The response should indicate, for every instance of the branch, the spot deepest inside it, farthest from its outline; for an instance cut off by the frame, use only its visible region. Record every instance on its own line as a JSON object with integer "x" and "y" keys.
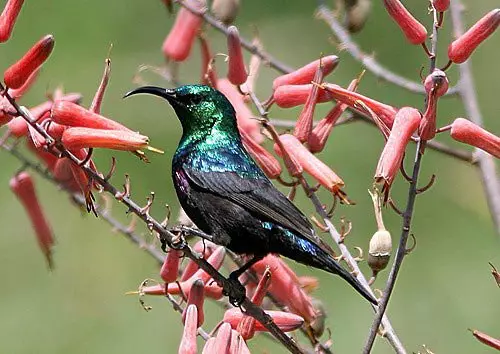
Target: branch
{"x": 166, "y": 237}
{"x": 369, "y": 62}
{"x": 407, "y": 214}
{"x": 467, "y": 92}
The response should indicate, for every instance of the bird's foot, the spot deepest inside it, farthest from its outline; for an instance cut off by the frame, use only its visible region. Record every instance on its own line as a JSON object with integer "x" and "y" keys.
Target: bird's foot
{"x": 235, "y": 291}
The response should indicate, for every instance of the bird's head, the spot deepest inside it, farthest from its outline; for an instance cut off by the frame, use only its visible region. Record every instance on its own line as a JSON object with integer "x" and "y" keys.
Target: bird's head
{"x": 198, "y": 107}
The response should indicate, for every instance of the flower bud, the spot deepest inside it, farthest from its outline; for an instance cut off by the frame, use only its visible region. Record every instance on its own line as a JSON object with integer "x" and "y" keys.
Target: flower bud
{"x": 196, "y": 297}
{"x": 441, "y": 5}
{"x": 319, "y": 135}
{"x": 77, "y": 138}
{"x": 469, "y": 133}
{"x": 311, "y": 164}
{"x": 305, "y": 74}
{"x": 244, "y": 117}
{"x": 286, "y": 321}
{"x": 303, "y": 127}
{"x": 486, "y": 339}
{"x": 287, "y": 96}
{"x": 223, "y": 339}
{"x": 206, "y": 248}
{"x": 170, "y": 268}
{"x": 264, "y": 158}
{"x": 436, "y": 85}
{"x": 8, "y": 18}
{"x": 69, "y": 113}
{"x": 238, "y": 344}
{"x": 406, "y": 122}
{"x": 413, "y": 30}
{"x": 225, "y": 10}
{"x": 18, "y": 73}
{"x": 17, "y": 93}
{"x": 24, "y": 189}
{"x": 237, "y": 73}
{"x": 385, "y": 112}
{"x": 177, "y": 45}
{"x": 462, "y": 47}
{"x": 285, "y": 287}
{"x": 188, "y": 341}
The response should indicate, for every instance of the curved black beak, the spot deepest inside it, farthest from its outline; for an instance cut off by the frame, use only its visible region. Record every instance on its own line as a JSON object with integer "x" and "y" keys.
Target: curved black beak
{"x": 168, "y": 94}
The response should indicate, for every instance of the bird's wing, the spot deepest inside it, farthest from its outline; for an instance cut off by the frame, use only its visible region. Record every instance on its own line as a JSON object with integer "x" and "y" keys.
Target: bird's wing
{"x": 258, "y": 195}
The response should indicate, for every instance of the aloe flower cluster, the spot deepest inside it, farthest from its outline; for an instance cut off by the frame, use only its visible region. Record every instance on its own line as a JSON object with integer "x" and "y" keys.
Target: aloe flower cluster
{"x": 67, "y": 125}
{"x": 60, "y": 130}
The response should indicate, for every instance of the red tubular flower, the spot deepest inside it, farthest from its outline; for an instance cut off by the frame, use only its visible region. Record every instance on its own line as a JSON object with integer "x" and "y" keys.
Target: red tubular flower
{"x": 17, "y": 93}
{"x": 285, "y": 287}
{"x": 69, "y": 113}
{"x": 436, "y": 85}
{"x": 24, "y": 189}
{"x": 469, "y": 133}
{"x": 46, "y": 157}
{"x": 385, "y": 112}
{"x": 63, "y": 174}
{"x": 441, "y": 5}
{"x": 237, "y": 73}
{"x": 244, "y": 116}
{"x": 208, "y": 73}
{"x": 311, "y": 164}
{"x": 406, "y": 122}
{"x": 305, "y": 74}
{"x": 264, "y": 158}
{"x": 303, "y": 127}
{"x": 319, "y": 135}
{"x": 238, "y": 345}
{"x": 223, "y": 339}
{"x": 206, "y": 248}
{"x": 486, "y": 339}
{"x": 188, "y": 341}
{"x": 197, "y": 297}
{"x": 211, "y": 290}
{"x": 247, "y": 325}
{"x": 77, "y": 138}
{"x": 177, "y": 45}
{"x": 286, "y": 321}
{"x": 170, "y": 268}
{"x": 287, "y": 96}
{"x": 462, "y": 47}
{"x": 17, "y": 74}
{"x": 413, "y": 30}
{"x": 8, "y": 18}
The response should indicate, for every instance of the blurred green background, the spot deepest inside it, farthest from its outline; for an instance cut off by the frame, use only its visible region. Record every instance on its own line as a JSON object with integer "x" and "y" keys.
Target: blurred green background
{"x": 444, "y": 287}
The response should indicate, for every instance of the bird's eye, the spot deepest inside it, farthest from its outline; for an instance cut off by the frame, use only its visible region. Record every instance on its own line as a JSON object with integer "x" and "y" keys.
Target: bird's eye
{"x": 195, "y": 99}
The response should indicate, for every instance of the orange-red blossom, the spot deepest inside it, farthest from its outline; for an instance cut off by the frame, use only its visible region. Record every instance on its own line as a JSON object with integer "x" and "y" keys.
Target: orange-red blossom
{"x": 24, "y": 189}
{"x": 465, "y": 131}
{"x": 406, "y": 122}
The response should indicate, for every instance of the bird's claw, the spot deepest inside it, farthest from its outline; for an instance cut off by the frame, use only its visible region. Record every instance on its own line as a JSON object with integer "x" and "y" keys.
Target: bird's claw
{"x": 235, "y": 291}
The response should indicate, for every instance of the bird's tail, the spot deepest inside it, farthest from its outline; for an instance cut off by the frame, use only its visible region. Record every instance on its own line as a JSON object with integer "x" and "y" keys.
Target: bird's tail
{"x": 313, "y": 255}
{"x": 330, "y": 265}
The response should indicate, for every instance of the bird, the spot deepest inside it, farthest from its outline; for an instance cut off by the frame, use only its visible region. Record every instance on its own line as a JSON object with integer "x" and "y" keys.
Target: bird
{"x": 227, "y": 195}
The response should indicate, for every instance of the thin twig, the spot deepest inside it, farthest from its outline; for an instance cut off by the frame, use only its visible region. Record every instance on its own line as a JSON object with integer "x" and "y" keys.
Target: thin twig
{"x": 467, "y": 92}
{"x": 407, "y": 215}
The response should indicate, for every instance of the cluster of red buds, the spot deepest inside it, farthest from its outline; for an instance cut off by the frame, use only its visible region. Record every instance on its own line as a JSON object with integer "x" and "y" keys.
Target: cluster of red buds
{"x": 65, "y": 127}
{"x": 275, "y": 278}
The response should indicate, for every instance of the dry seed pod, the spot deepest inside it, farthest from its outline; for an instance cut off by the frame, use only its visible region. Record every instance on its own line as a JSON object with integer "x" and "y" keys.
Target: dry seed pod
{"x": 357, "y": 14}
{"x": 380, "y": 248}
{"x": 225, "y": 10}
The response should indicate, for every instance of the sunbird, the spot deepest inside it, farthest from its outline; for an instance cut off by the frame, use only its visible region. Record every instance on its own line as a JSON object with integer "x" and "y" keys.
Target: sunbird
{"x": 227, "y": 195}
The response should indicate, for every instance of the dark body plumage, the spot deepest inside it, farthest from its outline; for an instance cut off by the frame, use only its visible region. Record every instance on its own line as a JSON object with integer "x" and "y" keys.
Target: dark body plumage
{"x": 225, "y": 192}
